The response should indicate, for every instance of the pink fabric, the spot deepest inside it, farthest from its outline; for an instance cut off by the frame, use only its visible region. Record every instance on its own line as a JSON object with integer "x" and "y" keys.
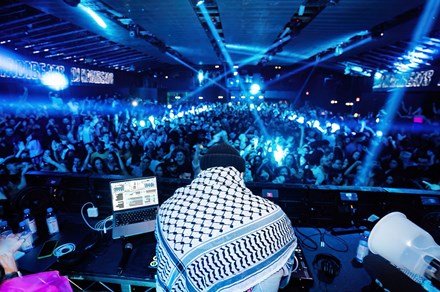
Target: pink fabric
{"x": 40, "y": 282}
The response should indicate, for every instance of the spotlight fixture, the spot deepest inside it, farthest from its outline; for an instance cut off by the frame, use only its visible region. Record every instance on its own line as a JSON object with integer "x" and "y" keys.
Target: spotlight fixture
{"x": 338, "y": 50}
{"x": 301, "y": 10}
{"x": 134, "y": 30}
{"x": 72, "y": 3}
{"x": 356, "y": 70}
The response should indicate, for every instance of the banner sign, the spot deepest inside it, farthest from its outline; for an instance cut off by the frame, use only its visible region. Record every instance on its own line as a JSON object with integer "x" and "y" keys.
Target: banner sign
{"x": 11, "y": 67}
{"x": 415, "y": 79}
{"x": 83, "y": 75}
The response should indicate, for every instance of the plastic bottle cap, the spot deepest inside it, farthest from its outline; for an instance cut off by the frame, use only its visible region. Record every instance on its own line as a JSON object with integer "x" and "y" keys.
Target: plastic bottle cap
{"x": 3, "y": 224}
{"x": 22, "y": 224}
{"x": 26, "y": 211}
{"x": 49, "y": 209}
{"x": 366, "y": 233}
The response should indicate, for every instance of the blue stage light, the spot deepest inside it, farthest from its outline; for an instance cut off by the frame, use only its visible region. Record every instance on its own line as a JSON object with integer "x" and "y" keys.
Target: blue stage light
{"x": 335, "y": 127}
{"x": 93, "y": 14}
{"x": 55, "y": 80}
{"x": 153, "y": 124}
{"x": 358, "y": 69}
{"x": 255, "y": 88}
{"x": 279, "y": 154}
{"x": 200, "y": 76}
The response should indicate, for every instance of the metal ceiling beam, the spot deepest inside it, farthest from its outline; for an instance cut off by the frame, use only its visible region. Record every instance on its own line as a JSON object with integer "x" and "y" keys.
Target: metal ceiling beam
{"x": 97, "y": 46}
{"x": 150, "y": 38}
{"x": 121, "y": 58}
{"x": 56, "y": 52}
{"x": 398, "y": 49}
{"x": 377, "y": 58}
{"x": 365, "y": 62}
{"x": 109, "y": 52}
{"x": 129, "y": 61}
{"x": 41, "y": 34}
{"x": 5, "y": 12}
{"x": 116, "y": 57}
{"x": 380, "y": 54}
{"x": 59, "y": 43}
{"x": 297, "y": 23}
{"x": 214, "y": 12}
{"x": 37, "y": 31}
{"x": 385, "y": 52}
{"x": 12, "y": 4}
{"x": 143, "y": 63}
{"x": 58, "y": 35}
{"x": 31, "y": 31}
{"x": 378, "y": 62}
{"x": 31, "y": 19}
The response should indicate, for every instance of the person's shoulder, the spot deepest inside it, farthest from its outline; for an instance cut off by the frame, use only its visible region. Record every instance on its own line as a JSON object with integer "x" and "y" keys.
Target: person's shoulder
{"x": 265, "y": 201}
{"x": 178, "y": 194}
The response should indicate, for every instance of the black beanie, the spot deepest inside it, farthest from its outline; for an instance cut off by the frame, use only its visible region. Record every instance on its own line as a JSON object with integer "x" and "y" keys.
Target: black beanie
{"x": 222, "y": 155}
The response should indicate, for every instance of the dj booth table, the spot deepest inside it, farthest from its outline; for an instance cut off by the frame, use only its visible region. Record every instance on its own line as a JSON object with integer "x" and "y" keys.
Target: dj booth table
{"x": 320, "y": 247}
{"x": 100, "y": 262}
{"x": 305, "y": 205}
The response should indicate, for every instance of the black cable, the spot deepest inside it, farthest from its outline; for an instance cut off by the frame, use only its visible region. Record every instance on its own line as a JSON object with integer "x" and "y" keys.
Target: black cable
{"x": 342, "y": 241}
{"x": 322, "y": 239}
{"x": 307, "y": 238}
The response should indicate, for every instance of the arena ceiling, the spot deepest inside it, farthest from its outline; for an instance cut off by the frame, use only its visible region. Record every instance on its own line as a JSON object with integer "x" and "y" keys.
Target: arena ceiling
{"x": 143, "y": 35}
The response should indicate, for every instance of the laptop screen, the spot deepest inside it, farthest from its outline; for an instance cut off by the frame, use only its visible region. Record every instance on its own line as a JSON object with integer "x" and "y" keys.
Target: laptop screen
{"x": 134, "y": 193}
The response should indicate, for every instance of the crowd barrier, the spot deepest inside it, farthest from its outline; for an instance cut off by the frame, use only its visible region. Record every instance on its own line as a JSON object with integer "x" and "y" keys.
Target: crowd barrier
{"x": 306, "y": 205}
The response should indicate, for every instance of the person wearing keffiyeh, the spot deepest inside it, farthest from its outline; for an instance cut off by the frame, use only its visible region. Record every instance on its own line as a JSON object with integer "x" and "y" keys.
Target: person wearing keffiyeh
{"x": 215, "y": 235}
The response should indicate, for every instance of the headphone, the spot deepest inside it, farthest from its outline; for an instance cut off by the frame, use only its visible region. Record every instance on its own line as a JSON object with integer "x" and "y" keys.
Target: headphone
{"x": 328, "y": 267}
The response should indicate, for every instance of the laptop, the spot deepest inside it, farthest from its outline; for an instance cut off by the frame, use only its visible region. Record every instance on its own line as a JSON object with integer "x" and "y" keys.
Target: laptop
{"x": 135, "y": 205}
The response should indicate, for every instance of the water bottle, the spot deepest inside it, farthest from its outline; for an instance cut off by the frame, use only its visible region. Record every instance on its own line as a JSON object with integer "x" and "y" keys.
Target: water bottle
{"x": 52, "y": 222}
{"x": 5, "y": 229}
{"x": 30, "y": 221}
{"x": 26, "y": 235}
{"x": 362, "y": 249}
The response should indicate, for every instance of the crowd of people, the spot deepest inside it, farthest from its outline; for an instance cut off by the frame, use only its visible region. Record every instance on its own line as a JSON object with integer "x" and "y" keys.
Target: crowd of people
{"x": 280, "y": 143}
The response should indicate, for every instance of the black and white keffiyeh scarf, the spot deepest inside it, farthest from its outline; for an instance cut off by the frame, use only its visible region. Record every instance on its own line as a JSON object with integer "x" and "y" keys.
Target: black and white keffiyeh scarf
{"x": 215, "y": 235}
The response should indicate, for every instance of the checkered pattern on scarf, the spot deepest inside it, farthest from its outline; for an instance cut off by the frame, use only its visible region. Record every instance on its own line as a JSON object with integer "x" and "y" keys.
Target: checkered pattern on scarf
{"x": 215, "y": 204}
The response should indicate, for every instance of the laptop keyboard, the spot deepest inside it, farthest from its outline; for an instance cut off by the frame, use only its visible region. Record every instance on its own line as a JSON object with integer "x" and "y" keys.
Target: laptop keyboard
{"x": 130, "y": 217}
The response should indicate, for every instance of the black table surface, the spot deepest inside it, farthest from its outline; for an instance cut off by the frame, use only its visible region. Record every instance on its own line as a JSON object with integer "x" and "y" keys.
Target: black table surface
{"x": 102, "y": 259}
{"x": 352, "y": 275}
